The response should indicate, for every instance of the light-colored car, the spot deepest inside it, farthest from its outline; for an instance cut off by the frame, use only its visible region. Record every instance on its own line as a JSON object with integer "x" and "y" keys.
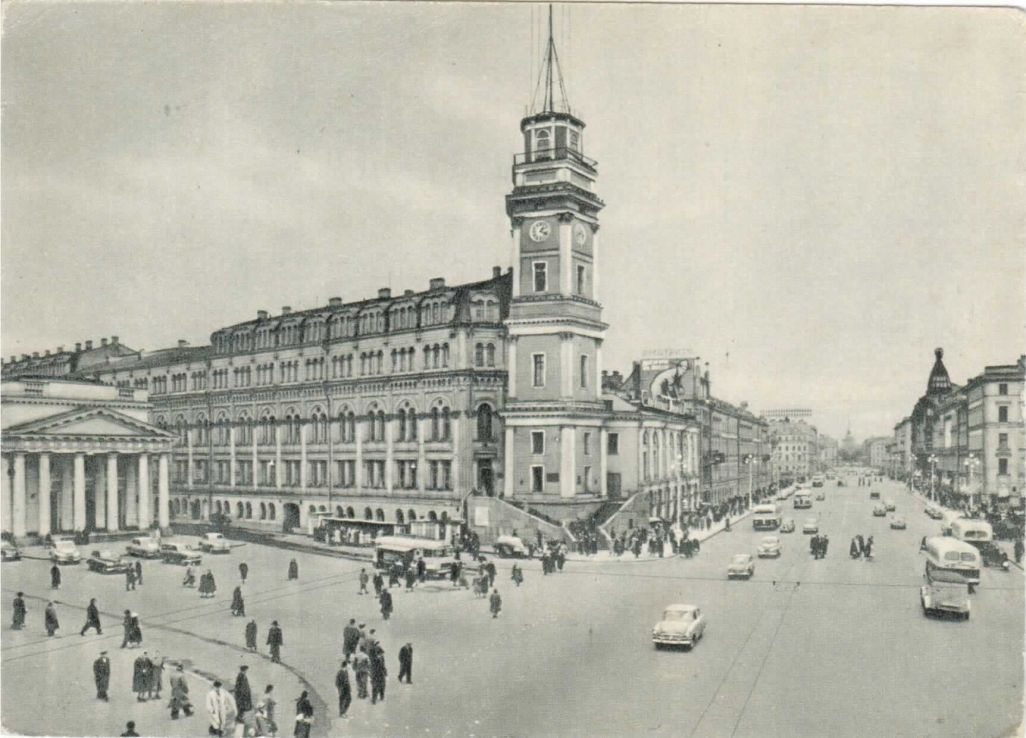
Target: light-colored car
{"x": 820, "y": 496}
{"x": 682, "y": 625}
{"x": 215, "y": 543}
{"x": 889, "y": 504}
{"x": 811, "y": 525}
{"x": 106, "y": 561}
{"x": 10, "y": 552}
{"x": 787, "y": 526}
{"x": 742, "y": 566}
{"x": 144, "y": 547}
{"x": 64, "y": 551}
{"x": 879, "y": 511}
{"x": 898, "y": 522}
{"x": 769, "y": 547}
{"x": 945, "y": 593}
{"x": 511, "y": 547}
{"x": 180, "y": 553}
{"x": 934, "y": 512}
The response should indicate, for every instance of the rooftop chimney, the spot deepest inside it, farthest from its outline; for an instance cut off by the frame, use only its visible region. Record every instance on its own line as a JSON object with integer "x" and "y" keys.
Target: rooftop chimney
{"x": 113, "y": 340}
{"x": 261, "y": 315}
{"x": 103, "y": 341}
{"x": 437, "y": 283}
{"x": 89, "y": 345}
{"x": 182, "y": 343}
{"x": 384, "y": 293}
{"x": 286, "y": 310}
{"x": 496, "y": 272}
{"x": 335, "y": 302}
{"x": 78, "y": 347}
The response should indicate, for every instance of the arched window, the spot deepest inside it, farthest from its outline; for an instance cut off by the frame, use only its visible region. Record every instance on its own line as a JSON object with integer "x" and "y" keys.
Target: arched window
{"x": 411, "y": 514}
{"x": 435, "y": 424}
{"x": 263, "y": 511}
{"x": 338, "y": 511}
{"x": 484, "y": 423}
{"x": 270, "y": 510}
{"x": 490, "y": 351}
{"x": 446, "y": 424}
{"x": 240, "y": 510}
{"x": 479, "y": 355}
{"x": 433, "y": 516}
{"x": 399, "y": 517}
{"x": 411, "y": 425}
{"x": 379, "y": 515}
{"x": 249, "y": 510}
{"x": 445, "y": 516}
{"x": 445, "y": 355}
{"x": 368, "y": 514}
{"x": 400, "y": 417}
{"x": 350, "y": 512}
{"x": 379, "y": 422}
{"x": 427, "y": 357}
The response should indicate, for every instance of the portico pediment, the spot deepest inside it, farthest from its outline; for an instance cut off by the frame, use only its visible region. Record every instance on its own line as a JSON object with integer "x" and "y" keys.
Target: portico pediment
{"x": 89, "y": 422}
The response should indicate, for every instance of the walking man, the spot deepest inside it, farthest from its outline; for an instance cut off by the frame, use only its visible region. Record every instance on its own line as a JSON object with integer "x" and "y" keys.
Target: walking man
{"x": 129, "y": 579}
{"x": 243, "y": 571}
{"x": 361, "y": 667}
{"x": 141, "y": 672}
{"x": 1018, "y": 550}
{"x": 238, "y": 605}
{"x": 363, "y": 582}
{"x": 127, "y": 624}
{"x": 180, "y": 694}
{"x": 243, "y": 695}
{"x": 50, "y": 619}
{"x": 350, "y": 639}
{"x": 55, "y": 577}
{"x": 495, "y": 603}
{"x": 378, "y": 672}
{"x": 386, "y": 604}
{"x": 101, "y": 675}
{"x": 411, "y": 578}
{"x": 406, "y": 663}
{"x": 221, "y": 707}
{"x": 345, "y": 690}
{"x": 275, "y": 641}
{"x": 20, "y": 611}
{"x": 251, "y": 635}
{"x": 293, "y": 570}
{"x": 92, "y": 618}
{"x": 138, "y": 572}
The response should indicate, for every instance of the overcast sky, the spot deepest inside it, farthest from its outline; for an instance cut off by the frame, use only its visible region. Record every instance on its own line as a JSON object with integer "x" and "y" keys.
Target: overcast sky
{"x": 812, "y": 199}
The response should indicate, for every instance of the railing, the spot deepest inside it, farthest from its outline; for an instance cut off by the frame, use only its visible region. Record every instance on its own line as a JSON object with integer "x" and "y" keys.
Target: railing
{"x": 554, "y": 154}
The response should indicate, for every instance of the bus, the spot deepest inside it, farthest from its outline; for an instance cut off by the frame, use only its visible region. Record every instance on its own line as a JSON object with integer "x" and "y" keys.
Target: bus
{"x": 437, "y": 555}
{"x": 972, "y": 531}
{"x": 766, "y": 517}
{"x": 950, "y": 554}
{"x": 802, "y": 501}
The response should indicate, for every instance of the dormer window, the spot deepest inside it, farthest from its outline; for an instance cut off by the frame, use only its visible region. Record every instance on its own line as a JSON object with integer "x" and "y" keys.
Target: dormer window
{"x": 575, "y": 141}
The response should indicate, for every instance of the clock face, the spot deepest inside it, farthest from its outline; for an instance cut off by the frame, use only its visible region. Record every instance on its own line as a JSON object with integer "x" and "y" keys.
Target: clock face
{"x": 540, "y": 230}
{"x": 580, "y": 234}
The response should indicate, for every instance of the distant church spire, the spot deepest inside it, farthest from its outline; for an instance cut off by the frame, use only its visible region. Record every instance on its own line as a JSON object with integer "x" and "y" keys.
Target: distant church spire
{"x": 550, "y": 77}
{"x": 939, "y": 381}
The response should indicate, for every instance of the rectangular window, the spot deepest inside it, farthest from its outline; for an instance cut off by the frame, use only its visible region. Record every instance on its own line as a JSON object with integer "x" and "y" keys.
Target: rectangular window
{"x": 538, "y": 373}
{"x": 537, "y": 479}
{"x": 537, "y": 442}
{"x": 1003, "y": 440}
{"x": 1002, "y": 466}
{"x": 613, "y": 444}
{"x": 1002, "y": 389}
{"x": 584, "y": 371}
{"x": 1003, "y": 414}
{"x": 587, "y": 478}
{"x": 541, "y": 276}
{"x": 580, "y": 279}
{"x": 587, "y": 444}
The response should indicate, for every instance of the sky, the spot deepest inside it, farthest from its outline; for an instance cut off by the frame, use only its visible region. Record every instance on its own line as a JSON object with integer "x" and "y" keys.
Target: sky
{"x": 810, "y": 198}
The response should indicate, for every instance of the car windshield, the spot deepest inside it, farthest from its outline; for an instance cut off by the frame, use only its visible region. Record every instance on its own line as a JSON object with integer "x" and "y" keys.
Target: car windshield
{"x": 677, "y": 615}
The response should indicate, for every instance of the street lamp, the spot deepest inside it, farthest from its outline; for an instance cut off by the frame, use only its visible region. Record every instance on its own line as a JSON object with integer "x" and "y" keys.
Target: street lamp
{"x": 933, "y": 476}
{"x": 750, "y": 463}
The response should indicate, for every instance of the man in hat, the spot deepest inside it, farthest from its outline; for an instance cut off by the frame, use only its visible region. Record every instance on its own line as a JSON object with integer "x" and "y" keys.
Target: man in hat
{"x": 251, "y": 635}
{"x": 350, "y": 639}
{"x": 378, "y": 672}
{"x": 127, "y": 624}
{"x": 221, "y": 707}
{"x": 406, "y": 663}
{"x": 364, "y": 578}
{"x": 293, "y": 570}
{"x": 243, "y": 571}
{"x": 92, "y": 618}
{"x": 20, "y": 611}
{"x": 243, "y": 695}
{"x": 495, "y": 603}
{"x": 55, "y": 577}
{"x": 180, "y": 694}
{"x": 101, "y": 675}
{"x": 345, "y": 690}
{"x": 275, "y": 640}
{"x": 361, "y": 668}
{"x": 129, "y": 579}
{"x": 138, "y": 572}
{"x": 386, "y": 603}
{"x": 141, "y": 672}
{"x": 50, "y": 619}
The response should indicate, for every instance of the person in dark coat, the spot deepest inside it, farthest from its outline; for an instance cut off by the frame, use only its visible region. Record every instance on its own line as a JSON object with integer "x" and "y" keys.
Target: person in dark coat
{"x": 350, "y": 639}
{"x": 156, "y": 676}
{"x": 50, "y": 618}
{"x": 395, "y": 573}
{"x": 138, "y": 572}
{"x": 517, "y": 575}
{"x": 345, "y": 689}
{"x": 129, "y": 579}
{"x": 238, "y": 606}
{"x": 179, "y": 694}
{"x": 141, "y": 673}
{"x": 379, "y": 583}
{"x": 421, "y": 570}
{"x": 364, "y": 578}
{"x": 135, "y": 635}
{"x": 130, "y": 730}
{"x": 127, "y": 624}
{"x": 275, "y": 640}
{"x": 495, "y": 603}
{"x": 411, "y": 578}
{"x": 243, "y": 695}
{"x": 378, "y": 672}
{"x": 304, "y": 717}
{"x": 101, "y": 675}
{"x": 20, "y": 611}
{"x": 55, "y": 577}
{"x": 1017, "y": 550}
{"x": 293, "y": 570}
{"x": 406, "y": 663}
{"x": 243, "y": 571}
{"x": 251, "y": 635}
{"x": 824, "y": 543}
{"x": 92, "y": 618}
{"x": 853, "y": 549}
{"x": 490, "y": 569}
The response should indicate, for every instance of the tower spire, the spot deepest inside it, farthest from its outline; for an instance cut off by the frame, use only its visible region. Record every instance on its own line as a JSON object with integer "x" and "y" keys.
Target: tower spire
{"x": 551, "y": 75}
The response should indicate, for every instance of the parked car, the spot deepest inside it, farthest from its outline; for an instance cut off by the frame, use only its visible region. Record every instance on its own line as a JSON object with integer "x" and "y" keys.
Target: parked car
{"x": 897, "y": 523}
{"x": 742, "y": 566}
{"x": 106, "y": 561}
{"x": 879, "y": 511}
{"x": 64, "y": 551}
{"x": 787, "y": 526}
{"x": 820, "y": 496}
{"x": 889, "y": 504}
{"x": 682, "y": 625}
{"x": 10, "y": 552}
{"x": 991, "y": 554}
{"x": 769, "y": 547}
{"x": 811, "y": 525}
{"x": 945, "y": 593}
{"x": 215, "y": 543}
{"x": 180, "y": 553}
{"x": 144, "y": 547}
{"x": 511, "y": 547}
{"x": 934, "y": 512}
{"x": 874, "y": 495}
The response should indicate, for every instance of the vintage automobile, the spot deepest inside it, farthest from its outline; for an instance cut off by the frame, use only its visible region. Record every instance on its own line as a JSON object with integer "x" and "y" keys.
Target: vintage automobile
{"x": 742, "y": 566}
{"x": 144, "y": 547}
{"x": 934, "y": 512}
{"x": 889, "y": 504}
{"x": 874, "y": 495}
{"x": 811, "y": 525}
{"x": 769, "y": 547}
{"x": 106, "y": 561}
{"x": 511, "y": 547}
{"x": 180, "y": 553}
{"x": 897, "y": 522}
{"x": 787, "y": 526}
{"x": 215, "y": 543}
{"x": 992, "y": 554}
{"x": 64, "y": 551}
{"x": 682, "y": 625}
{"x": 879, "y": 511}
{"x": 820, "y": 496}
{"x": 10, "y": 552}
{"x": 945, "y": 593}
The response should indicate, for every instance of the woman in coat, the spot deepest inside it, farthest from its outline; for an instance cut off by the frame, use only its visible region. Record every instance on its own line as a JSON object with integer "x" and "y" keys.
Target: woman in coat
{"x": 50, "y": 618}
{"x": 142, "y": 673}
{"x": 135, "y": 630}
{"x": 238, "y": 606}
{"x": 179, "y": 694}
{"x": 304, "y": 717}
{"x": 265, "y": 713}
{"x": 293, "y": 570}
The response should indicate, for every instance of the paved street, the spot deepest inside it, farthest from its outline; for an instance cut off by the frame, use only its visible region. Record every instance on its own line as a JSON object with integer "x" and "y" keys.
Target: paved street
{"x": 571, "y": 653}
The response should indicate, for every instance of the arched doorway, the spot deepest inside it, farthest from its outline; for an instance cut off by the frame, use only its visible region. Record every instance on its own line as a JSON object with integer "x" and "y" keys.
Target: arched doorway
{"x": 290, "y": 521}
{"x": 197, "y": 510}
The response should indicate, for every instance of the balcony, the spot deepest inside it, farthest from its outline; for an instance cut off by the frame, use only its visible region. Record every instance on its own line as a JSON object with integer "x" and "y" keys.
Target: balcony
{"x": 557, "y": 154}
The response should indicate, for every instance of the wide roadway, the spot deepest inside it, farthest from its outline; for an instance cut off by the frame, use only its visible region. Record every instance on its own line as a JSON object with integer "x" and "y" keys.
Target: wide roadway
{"x": 830, "y": 647}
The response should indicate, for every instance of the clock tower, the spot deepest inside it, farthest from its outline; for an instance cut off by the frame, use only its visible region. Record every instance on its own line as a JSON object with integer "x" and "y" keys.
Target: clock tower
{"x": 554, "y": 413}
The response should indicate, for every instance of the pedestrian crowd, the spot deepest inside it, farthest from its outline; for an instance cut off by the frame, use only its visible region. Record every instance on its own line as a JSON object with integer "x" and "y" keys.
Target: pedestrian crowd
{"x": 861, "y": 548}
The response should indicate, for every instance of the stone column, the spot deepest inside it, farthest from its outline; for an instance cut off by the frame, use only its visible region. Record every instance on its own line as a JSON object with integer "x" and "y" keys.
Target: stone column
{"x": 594, "y": 263}
{"x": 302, "y": 456}
{"x": 18, "y": 497}
{"x": 79, "y": 493}
{"x": 511, "y": 366}
{"x": 188, "y": 449}
{"x": 508, "y": 464}
{"x": 517, "y": 270}
{"x": 163, "y": 492}
{"x": 598, "y": 369}
{"x": 67, "y": 507}
{"x": 422, "y": 470}
{"x": 360, "y": 481}
{"x": 277, "y": 456}
{"x": 99, "y": 492}
{"x": 567, "y": 461}
{"x": 44, "y": 494}
{"x": 566, "y": 365}
{"x": 112, "y": 492}
{"x": 603, "y": 441}
{"x": 145, "y": 516}
{"x": 131, "y": 490}
{"x": 389, "y": 457}
{"x": 231, "y": 455}
{"x": 457, "y": 457}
